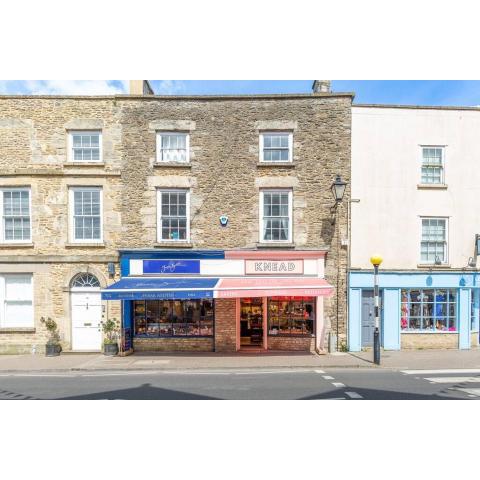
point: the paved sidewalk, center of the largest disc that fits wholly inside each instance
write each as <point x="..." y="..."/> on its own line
<point x="417" y="359"/>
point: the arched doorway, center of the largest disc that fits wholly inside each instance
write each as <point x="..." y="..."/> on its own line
<point x="86" y="304"/>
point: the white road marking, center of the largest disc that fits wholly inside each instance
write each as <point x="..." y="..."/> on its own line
<point x="328" y="377"/>
<point x="453" y="379"/>
<point x="334" y="398"/>
<point x="338" y="384"/>
<point x="470" y="391"/>
<point x="353" y="394"/>
<point x="440" y="372"/>
<point x="319" y="371"/>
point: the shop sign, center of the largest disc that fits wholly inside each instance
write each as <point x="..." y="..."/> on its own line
<point x="273" y="267"/>
<point x="166" y="267"/>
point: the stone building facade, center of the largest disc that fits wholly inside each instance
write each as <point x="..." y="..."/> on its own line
<point x="223" y="176"/>
<point x="34" y="156"/>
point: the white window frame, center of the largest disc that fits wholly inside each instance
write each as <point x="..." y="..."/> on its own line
<point x="71" y="214"/>
<point x="290" y="146"/>
<point x="70" y="156"/>
<point x="160" y="134"/>
<point x="3" y="300"/>
<point x="443" y="149"/>
<point x="290" y="214"/>
<point x="445" y="261"/>
<point x="2" y="219"/>
<point x="159" y="214"/>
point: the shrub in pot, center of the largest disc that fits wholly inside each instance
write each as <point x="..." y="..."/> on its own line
<point x="53" y="346"/>
<point x="111" y="334"/>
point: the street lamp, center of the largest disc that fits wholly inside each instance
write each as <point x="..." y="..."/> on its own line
<point x="376" y="260"/>
<point x="338" y="189"/>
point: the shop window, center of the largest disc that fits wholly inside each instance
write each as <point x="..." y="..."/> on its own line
<point x="429" y="310"/>
<point x="86" y="214"/>
<point x="173" y="215"/>
<point x="15" y="211"/>
<point x="473" y="312"/>
<point x="276" y="146"/>
<point x="173" y="147"/>
<point x="432" y="165"/>
<point x="16" y="301"/>
<point x="85" y="146"/>
<point x="173" y="318"/>
<point x="276" y="216"/>
<point x="433" y="247"/>
<point x="291" y="316"/>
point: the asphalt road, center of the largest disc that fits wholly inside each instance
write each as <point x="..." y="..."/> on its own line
<point x="307" y="384"/>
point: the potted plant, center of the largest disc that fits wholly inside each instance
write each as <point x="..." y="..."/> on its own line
<point x="111" y="333"/>
<point x="52" y="347"/>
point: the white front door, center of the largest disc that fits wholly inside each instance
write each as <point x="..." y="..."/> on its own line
<point x="86" y="317"/>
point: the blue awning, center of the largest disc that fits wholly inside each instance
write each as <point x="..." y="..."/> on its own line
<point x="160" y="289"/>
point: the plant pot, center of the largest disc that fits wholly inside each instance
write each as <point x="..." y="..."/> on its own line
<point x="110" y="349"/>
<point x="52" y="350"/>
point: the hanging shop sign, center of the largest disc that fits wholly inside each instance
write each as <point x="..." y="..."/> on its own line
<point x="166" y="267"/>
<point x="273" y="267"/>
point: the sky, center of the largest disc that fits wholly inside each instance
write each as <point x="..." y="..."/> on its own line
<point x="404" y="92"/>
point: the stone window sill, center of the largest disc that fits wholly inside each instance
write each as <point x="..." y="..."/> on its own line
<point x="172" y="165"/>
<point x="434" y="267"/>
<point x="85" y="245"/>
<point x="174" y="245"/>
<point x="17" y="245"/>
<point x="261" y="245"/>
<point x="276" y="164"/>
<point x="84" y="164"/>
<point x="432" y="186"/>
<point x="17" y="330"/>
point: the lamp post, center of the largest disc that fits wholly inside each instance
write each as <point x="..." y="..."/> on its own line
<point x="338" y="190"/>
<point x="376" y="260"/>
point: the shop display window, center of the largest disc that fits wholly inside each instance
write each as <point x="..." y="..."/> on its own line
<point x="429" y="310"/>
<point x="291" y="316"/>
<point x="173" y="318"/>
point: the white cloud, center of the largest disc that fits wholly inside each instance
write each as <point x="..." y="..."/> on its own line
<point x="63" y="87"/>
<point x="168" y="87"/>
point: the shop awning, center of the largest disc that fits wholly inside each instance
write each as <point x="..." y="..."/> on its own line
<point x="272" y="287"/>
<point x="135" y="288"/>
<point x="156" y="288"/>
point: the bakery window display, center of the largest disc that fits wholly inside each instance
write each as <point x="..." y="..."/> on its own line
<point x="291" y="316"/>
<point x="173" y="318"/>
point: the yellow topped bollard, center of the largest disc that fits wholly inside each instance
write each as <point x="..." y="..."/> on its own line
<point x="376" y="260"/>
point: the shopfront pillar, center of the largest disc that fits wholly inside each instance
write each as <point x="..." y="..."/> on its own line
<point x="355" y="320"/>
<point x="464" y="319"/>
<point x="391" y="319"/>
<point x="320" y="326"/>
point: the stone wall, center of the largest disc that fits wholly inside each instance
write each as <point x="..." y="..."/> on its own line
<point x="224" y="175"/>
<point x="33" y="153"/>
<point x="426" y="340"/>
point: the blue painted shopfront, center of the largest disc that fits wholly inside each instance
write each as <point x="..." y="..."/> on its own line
<point x="153" y="260"/>
<point x="466" y="285"/>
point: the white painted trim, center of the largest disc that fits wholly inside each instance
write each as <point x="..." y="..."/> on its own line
<point x="447" y="240"/>
<point x="290" y="214"/>
<point x="276" y="132"/>
<point x="441" y="147"/>
<point x="85" y="132"/>
<point x="71" y="229"/>
<point x="3" y="299"/>
<point x="158" y="145"/>
<point x="2" y="223"/>
<point x="159" y="215"/>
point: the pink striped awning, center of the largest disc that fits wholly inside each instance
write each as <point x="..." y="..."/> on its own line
<point x="272" y="287"/>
